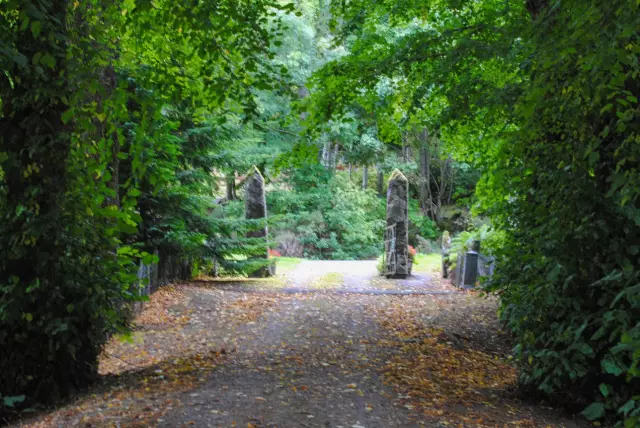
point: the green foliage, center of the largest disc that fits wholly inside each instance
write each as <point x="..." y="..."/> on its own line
<point x="119" y="120"/>
<point x="327" y="215"/>
<point x="95" y="169"/>
<point x="464" y="186"/>
<point x="64" y="271"/>
<point x="380" y="265"/>
<point x="428" y="263"/>
<point x="420" y="225"/>
<point x="569" y="281"/>
<point x="542" y="97"/>
<point x="490" y="239"/>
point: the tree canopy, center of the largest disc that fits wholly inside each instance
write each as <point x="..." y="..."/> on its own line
<point x="127" y="127"/>
<point x="542" y="97"/>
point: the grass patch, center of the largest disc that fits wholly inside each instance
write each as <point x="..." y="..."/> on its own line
<point x="328" y="281"/>
<point x="422" y="263"/>
<point x="427" y="263"/>
<point x="286" y="264"/>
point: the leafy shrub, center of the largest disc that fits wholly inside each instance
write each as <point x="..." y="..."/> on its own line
<point x="569" y="267"/>
<point x="411" y="253"/>
<point x="490" y="239"/>
<point x="95" y="168"/>
<point x="380" y="265"/>
<point x="428" y="246"/>
<point x="65" y="272"/>
<point x="329" y="217"/>
<point x="420" y="226"/>
<point x="289" y="244"/>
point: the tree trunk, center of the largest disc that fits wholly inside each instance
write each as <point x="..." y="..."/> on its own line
<point x="443" y="187"/>
<point x="452" y="180"/>
<point x="447" y="182"/>
<point x="350" y="170"/>
<point x="380" y="182"/>
<point x="406" y="149"/>
<point x="426" y="197"/>
<point x="235" y="190"/>
<point x="334" y="156"/>
<point x="365" y="177"/>
<point x="326" y="154"/>
<point x="535" y="7"/>
<point x="231" y="186"/>
<point x="424" y="180"/>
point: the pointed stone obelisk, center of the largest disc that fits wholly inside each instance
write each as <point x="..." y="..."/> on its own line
<point x="397" y="236"/>
<point x="255" y="209"/>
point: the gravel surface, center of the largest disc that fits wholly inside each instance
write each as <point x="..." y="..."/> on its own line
<point x="329" y="345"/>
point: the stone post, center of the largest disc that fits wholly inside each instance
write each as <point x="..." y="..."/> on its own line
<point x="446" y="246"/>
<point x="396" y="257"/>
<point x="470" y="269"/>
<point x="255" y="209"/>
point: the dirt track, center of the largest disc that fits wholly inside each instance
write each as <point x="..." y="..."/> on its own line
<point x="216" y="354"/>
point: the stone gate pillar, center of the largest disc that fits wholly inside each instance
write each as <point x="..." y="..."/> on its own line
<point x="255" y="209"/>
<point x="446" y="246"/>
<point x="397" y="239"/>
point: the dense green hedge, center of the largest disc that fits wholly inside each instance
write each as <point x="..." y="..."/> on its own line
<point x="542" y="96"/>
<point x="95" y="168"/>
<point x="569" y="273"/>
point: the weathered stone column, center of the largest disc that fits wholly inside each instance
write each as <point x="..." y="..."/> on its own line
<point x="256" y="208"/>
<point x="396" y="256"/>
<point x="470" y="268"/>
<point x="446" y="246"/>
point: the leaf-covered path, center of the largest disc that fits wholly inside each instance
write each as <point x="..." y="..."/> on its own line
<point x="212" y="354"/>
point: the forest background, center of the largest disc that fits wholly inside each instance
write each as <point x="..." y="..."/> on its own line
<point x="127" y="128"/>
